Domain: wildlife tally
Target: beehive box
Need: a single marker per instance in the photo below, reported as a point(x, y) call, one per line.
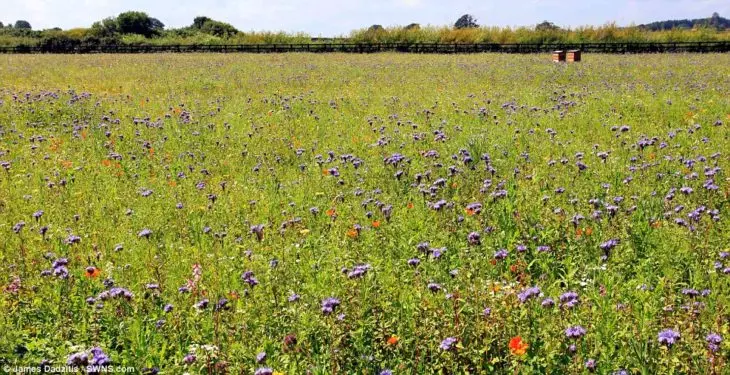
point(574, 56)
point(558, 56)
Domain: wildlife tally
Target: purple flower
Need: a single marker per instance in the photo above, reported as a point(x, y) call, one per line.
point(329, 305)
point(167, 308)
point(261, 357)
point(37, 215)
point(501, 254)
point(202, 305)
point(487, 312)
point(359, 271)
point(713, 341)
point(609, 245)
point(575, 332)
point(78, 359)
point(474, 208)
point(386, 372)
point(591, 365)
point(222, 304)
point(117, 293)
point(668, 337)
point(190, 358)
point(72, 239)
point(528, 294)
point(414, 262)
point(249, 278)
point(569, 299)
point(474, 238)
point(448, 343)
point(59, 263)
point(61, 272)
point(258, 230)
point(294, 297)
point(264, 371)
point(547, 302)
point(19, 226)
point(543, 248)
point(144, 233)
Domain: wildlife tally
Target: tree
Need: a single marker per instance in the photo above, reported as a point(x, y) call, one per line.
point(136, 23)
point(21, 24)
point(1, 25)
point(157, 25)
point(413, 26)
point(466, 21)
point(199, 21)
point(213, 27)
point(374, 28)
point(105, 28)
point(546, 26)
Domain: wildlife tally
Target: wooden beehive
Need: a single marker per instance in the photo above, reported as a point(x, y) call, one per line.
point(574, 56)
point(558, 56)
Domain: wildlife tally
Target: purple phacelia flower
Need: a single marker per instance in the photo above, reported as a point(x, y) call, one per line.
point(528, 293)
point(501, 254)
point(474, 238)
point(575, 332)
point(447, 343)
point(202, 304)
point(668, 337)
point(329, 305)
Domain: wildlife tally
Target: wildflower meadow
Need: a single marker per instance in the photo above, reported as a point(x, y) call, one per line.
point(365, 214)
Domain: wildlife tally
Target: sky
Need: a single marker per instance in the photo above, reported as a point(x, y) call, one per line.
point(339, 17)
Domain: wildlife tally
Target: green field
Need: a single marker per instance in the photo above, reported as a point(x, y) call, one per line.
point(185, 213)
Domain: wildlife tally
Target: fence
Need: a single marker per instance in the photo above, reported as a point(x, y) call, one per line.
point(442, 48)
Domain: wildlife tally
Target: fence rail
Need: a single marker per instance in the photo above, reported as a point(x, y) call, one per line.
point(442, 48)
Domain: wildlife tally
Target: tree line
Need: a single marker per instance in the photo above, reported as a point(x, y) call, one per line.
point(137, 28)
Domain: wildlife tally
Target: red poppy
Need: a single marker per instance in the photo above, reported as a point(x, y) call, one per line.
point(517, 346)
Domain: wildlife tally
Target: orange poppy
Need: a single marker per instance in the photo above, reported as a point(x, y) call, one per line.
point(331, 212)
point(325, 172)
point(469, 211)
point(376, 224)
point(517, 346)
point(588, 231)
point(92, 272)
point(67, 163)
point(106, 162)
point(352, 233)
point(409, 205)
point(392, 340)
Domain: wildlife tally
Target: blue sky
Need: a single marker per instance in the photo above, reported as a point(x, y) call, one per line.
point(338, 17)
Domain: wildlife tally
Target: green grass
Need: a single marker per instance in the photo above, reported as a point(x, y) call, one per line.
point(233, 124)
